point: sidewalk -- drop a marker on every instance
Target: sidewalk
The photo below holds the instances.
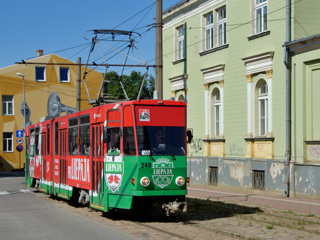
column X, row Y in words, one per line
column 307, row 206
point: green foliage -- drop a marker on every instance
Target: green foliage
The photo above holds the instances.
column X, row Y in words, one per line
column 131, row 84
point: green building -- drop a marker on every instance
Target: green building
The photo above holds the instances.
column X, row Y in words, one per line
column 226, row 60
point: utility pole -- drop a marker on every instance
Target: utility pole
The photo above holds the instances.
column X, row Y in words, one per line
column 78, row 85
column 288, row 94
column 159, row 68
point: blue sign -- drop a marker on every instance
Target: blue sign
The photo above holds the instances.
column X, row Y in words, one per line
column 19, row 148
column 19, row 133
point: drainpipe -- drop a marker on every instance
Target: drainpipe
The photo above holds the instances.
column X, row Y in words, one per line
column 288, row 95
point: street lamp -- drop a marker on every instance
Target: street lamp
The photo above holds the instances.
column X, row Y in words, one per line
column 24, row 111
column 24, row 101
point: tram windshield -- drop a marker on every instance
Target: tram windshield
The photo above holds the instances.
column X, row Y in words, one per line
column 157, row 141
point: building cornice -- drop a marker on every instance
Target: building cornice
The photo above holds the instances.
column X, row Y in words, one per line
column 213, row 74
column 186, row 9
column 259, row 63
column 304, row 44
column 179, row 82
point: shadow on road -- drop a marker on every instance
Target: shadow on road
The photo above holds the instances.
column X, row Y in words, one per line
column 198, row 210
column 12, row 174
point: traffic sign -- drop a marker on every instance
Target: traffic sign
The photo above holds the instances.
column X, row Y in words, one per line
column 19, row 148
column 19, row 133
column 19, row 140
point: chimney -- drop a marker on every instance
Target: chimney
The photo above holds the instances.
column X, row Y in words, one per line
column 39, row 53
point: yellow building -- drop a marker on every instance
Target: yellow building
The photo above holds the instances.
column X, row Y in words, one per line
column 40, row 81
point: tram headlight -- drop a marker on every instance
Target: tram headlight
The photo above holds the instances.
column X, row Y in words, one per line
column 145, row 181
column 180, row 181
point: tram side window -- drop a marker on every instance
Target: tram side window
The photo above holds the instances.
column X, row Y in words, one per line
column 43, row 144
column 85, row 135
column 73, row 136
column 129, row 146
column 56, row 138
column 113, row 130
column 37, row 141
column 114, row 138
column 48, row 139
column 31, row 143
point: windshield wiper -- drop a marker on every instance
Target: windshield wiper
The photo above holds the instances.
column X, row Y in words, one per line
column 150, row 155
column 170, row 152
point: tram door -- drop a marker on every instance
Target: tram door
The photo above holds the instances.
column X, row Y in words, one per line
column 97, row 151
column 63, row 163
column 43, row 152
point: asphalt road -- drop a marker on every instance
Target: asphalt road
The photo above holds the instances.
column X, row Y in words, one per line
column 24, row 215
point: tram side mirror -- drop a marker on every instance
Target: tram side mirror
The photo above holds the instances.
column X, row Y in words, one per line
column 106, row 135
column 189, row 135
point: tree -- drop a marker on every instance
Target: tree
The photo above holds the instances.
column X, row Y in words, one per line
column 131, row 84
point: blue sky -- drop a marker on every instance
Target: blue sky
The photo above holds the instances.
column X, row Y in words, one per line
column 57, row 25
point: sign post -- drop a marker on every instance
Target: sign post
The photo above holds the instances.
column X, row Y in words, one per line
column 19, row 141
column 19, row 149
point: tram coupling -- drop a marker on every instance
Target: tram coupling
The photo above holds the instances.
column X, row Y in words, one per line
column 174, row 207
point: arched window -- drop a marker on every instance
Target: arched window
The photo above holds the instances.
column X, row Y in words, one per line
column 262, row 88
column 181, row 98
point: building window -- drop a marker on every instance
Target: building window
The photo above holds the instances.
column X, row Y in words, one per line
column 222, row 26
column 261, row 15
column 209, row 33
column 40, row 74
column 180, row 43
column 64, row 74
column 7, row 105
column 216, row 112
column 215, row 29
column 181, row 98
column 263, row 107
column 7, row 142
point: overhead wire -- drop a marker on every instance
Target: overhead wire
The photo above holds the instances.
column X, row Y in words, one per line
column 68, row 91
column 229, row 30
column 133, row 29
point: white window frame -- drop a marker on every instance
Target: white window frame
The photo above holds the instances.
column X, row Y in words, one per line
column 44, row 74
column 8, row 142
column 68, row 75
column 215, row 28
column 261, row 16
column 263, row 113
column 180, row 43
column 6, row 104
column 209, row 31
column 216, row 109
column 221, row 26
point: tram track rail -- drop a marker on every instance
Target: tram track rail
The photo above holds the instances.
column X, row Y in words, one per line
column 288, row 219
column 186, row 224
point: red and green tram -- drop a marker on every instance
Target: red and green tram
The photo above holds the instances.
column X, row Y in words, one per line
column 126, row 155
